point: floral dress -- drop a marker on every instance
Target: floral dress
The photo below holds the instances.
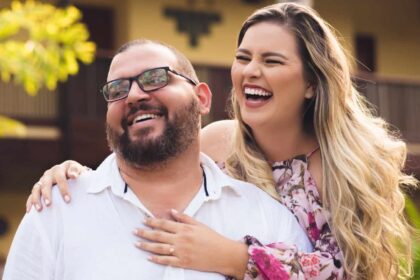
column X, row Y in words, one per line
column 299, row 194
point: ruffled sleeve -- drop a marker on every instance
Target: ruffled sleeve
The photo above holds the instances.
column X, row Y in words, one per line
column 299, row 194
column 279, row 261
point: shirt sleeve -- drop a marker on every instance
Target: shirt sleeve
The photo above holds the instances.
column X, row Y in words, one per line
column 31, row 255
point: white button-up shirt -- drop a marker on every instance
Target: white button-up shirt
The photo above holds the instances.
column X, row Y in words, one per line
column 92, row 238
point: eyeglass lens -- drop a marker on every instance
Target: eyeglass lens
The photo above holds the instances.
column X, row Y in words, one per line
column 149, row 80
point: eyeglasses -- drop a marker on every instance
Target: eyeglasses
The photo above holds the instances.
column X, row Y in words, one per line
column 149, row 80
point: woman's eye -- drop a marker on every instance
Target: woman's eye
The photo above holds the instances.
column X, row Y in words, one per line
column 242, row 57
column 273, row 61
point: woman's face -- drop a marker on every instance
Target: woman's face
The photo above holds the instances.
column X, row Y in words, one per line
column 268, row 79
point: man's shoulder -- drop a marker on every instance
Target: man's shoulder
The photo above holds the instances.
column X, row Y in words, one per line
column 242, row 188
column 91, row 181
column 256, row 194
column 77, row 187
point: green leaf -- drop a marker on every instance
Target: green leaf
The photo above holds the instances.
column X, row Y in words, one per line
column 412, row 213
column 41, row 44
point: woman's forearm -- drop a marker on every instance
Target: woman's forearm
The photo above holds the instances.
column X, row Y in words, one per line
column 234, row 259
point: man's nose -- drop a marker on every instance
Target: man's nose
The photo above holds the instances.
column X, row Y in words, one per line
column 136, row 94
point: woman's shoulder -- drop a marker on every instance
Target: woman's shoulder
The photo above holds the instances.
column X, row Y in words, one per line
column 216, row 139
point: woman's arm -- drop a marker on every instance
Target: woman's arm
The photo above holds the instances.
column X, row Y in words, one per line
column 58, row 174
column 216, row 139
column 189, row 244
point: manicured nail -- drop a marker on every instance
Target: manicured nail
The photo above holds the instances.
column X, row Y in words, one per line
column 67, row 198
column 174, row 211
column 47, row 202
column 38, row 207
column 139, row 244
column 28, row 208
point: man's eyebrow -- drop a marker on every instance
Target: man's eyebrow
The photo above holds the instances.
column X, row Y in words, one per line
column 265, row 54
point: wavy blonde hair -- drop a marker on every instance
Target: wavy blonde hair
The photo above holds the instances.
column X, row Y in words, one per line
column 361, row 158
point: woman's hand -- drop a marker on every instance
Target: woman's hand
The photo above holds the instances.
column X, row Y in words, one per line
column 189, row 244
column 58, row 174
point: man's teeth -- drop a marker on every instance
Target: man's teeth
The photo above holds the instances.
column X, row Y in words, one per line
column 145, row 117
column 256, row 92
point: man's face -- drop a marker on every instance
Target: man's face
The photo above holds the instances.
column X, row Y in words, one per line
column 147, row 129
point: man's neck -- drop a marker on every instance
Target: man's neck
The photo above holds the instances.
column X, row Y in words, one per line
column 169, row 186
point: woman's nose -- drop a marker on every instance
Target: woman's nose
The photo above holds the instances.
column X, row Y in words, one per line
column 252, row 69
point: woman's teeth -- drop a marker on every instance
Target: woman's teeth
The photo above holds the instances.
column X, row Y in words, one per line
column 256, row 93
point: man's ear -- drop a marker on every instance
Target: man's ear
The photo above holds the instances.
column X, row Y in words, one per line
column 204, row 95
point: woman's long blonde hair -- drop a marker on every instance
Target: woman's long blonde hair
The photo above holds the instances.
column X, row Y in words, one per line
column 361, row 158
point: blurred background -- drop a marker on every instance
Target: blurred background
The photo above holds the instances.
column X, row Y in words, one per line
column 65, row 120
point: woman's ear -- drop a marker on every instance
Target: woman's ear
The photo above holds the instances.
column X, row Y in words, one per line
column 204, row 95
column 310, row 91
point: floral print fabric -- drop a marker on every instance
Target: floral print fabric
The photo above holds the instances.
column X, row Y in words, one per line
column 280, row 261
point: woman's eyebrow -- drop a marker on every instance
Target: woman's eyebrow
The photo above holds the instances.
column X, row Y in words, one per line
column 274, row 54
column 265, row 54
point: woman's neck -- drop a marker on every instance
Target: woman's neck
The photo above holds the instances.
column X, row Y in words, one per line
column 284, row 143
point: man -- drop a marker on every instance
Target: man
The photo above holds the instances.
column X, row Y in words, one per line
column 153, row 124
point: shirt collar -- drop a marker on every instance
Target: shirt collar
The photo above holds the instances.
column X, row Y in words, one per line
column 107, row 175
column 217, row 180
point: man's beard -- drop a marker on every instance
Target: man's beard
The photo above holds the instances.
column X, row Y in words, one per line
column 178, row 134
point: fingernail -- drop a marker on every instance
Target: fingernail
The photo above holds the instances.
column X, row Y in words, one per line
column 38, row 207
column 67, row 198
column 135, row 231
column 73, row 174
column 139, row 244
column 146, row 221
column 28, row 208
column 47, row 202
column 174, row 211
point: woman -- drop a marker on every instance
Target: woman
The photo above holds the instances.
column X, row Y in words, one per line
column 304, row 135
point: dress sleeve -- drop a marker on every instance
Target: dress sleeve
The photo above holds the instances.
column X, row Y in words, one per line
column 299, row 194
column 282, row 261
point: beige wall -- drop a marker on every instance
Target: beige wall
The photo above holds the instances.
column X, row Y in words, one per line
column 136, row 19
column 146, row 19
column 395, row 25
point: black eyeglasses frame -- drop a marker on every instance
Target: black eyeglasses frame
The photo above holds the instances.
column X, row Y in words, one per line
column 135, row 78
